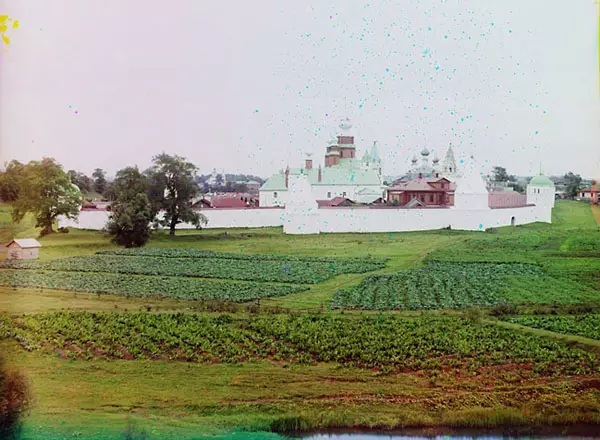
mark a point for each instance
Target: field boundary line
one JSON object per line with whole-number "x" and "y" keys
{"x": 579, "y": 341}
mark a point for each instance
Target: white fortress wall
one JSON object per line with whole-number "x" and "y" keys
{"x": 239, "y": 218}
{"x": 217, "y": 218}
{"x": 94, "y": 220}
{"x": 347, "y": 219}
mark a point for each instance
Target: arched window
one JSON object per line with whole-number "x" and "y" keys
{"x": 275, "y": 195}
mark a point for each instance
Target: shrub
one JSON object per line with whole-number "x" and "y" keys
{"x": 502, "y": 309}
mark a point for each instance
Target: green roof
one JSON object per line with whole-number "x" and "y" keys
{"x": 541, "y": 181}
{"x": 275, "y": 183}
{"x": 343, "y": 174}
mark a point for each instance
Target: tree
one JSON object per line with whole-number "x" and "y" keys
{"x": 572, "y": 184}
{"x": 83, "y": 182}
{"x": 45, "y": 190}
{"x": 99, "y": 180}
{"x": 499, "y": 174}
{"x": 9, "y": 181}
{"x": 14, "y": 401}
{"x": 172, "y": 187}
{"x": 517, "y": 187}
{"x": 131, "y": 213}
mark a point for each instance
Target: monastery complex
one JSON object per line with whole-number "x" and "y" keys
{"x": 345, "y": 193}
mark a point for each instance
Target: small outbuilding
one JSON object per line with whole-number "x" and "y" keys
{"x": 23, "y": 249}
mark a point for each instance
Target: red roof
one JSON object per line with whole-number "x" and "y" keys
{"x": 423, "y": 184}
{"x": 336, "y": 201}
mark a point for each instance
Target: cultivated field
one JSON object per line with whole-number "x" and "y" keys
{"x": 257, "y": 330}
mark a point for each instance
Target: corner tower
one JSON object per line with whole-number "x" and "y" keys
{"x": 541, "y": 191}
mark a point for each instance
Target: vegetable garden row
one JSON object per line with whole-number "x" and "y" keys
{"x": 436, "y": 286}
{"x": 205, "y": 253}
{"x": 226, "y": 268}
{"x": 145, "y": 286}
{"x": 385, "y": 342}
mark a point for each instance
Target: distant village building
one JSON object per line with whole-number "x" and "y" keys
{"x": 589, "y": 194}
{"x": 214, "y": 180}
{"x": 23, "y": 249}
{"x": 253, "y": 186}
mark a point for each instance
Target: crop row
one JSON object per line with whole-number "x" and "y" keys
{"x": 145, "y": 286}
{"x": 391, "y": 342}
{"x": 233, "y": 269}
{"x": 368, "y": 263}
{"x": 435, "y": 286}
{"x": 587, "y": 326}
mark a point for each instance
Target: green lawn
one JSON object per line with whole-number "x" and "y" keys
{"x": 94, "y": 398}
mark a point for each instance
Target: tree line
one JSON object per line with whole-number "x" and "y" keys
{"x": 572, "y": 182}
{"x": 158, "y": 196}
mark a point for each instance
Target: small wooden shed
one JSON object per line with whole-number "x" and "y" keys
{"x": 23, "y": 249}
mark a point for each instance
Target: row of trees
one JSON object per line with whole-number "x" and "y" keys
{"x": 159, "y": 196}
{"x": 572, "y": 182}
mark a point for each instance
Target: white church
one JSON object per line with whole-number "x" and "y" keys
{"x": 345, "y": 175}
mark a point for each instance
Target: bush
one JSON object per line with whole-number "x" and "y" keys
{"x": 502, "y": 309}
{"x": 63, "y": 230}
{"x": 14, "y": 401}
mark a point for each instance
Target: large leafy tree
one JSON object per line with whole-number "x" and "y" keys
{"x": 131, "y": 213}
{"x": 45, "y": 190}
{"x": 172, "y": 188}
{"x": 9, "y": 181}
{"x": 99, "y": 180}
{"x": 572, "y": 183}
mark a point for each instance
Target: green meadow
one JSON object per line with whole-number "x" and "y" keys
{"x": 247, "y": 333}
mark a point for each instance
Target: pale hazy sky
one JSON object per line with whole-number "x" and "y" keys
{"x": 251, "y": 86}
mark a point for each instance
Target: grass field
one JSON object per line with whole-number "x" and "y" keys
{"x": 209, "y": 367}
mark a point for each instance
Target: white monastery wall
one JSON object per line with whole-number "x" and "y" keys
{"x": 240, "y": 218}
{"x": 348, "y": 219}
{"x": 217, "y": 218}
{"x": 94, "y": 220}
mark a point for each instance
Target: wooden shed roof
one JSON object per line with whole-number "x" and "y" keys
{"x": 25, "y": 243}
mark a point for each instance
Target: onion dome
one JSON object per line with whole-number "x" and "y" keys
{"x": 414, "y": 160}
{"x": 436, "y": 160}
{"x": 425, "y": 152}
{"x": 346, "y": 124}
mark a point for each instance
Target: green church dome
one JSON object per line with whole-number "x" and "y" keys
{"x": 541, "y": 181}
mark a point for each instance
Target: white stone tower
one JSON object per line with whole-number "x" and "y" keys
{"x": 449, "y": 164}
{"x": 301, "y": 216}
{"x": 541, "y": 191}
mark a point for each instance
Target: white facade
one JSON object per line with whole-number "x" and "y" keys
{"x": 272, "y": 198}
{"x": 541, "y": 195}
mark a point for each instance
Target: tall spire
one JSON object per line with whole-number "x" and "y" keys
{"x": 375, "y": 153}
{"x": 449, "y": 164}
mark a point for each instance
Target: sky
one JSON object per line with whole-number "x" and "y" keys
{"x": 250, "y": 87}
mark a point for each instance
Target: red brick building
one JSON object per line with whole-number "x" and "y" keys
{"x": 422, "y": 191}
